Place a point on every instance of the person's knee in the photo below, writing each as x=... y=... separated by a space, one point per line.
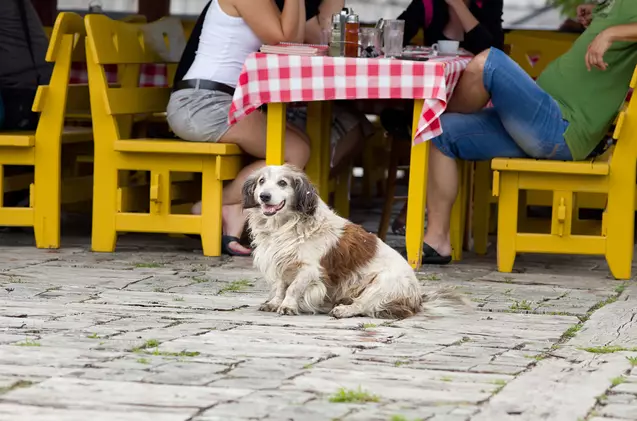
x=476 y=65
x=297 y=152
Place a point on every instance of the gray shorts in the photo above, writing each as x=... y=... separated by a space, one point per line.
x=199 y=115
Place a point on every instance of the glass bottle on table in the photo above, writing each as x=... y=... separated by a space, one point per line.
x=352 y=28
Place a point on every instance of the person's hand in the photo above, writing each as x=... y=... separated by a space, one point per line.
x=585 y=14
x=456 y=3
x=596 y=51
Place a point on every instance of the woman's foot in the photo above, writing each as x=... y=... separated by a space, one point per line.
x=233 y=224
x=437 y=247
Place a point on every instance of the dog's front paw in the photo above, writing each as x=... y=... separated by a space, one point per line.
x=342 y=311
x=288 y=309
x=270 y=306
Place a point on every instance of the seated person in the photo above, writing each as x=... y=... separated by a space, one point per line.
x=477 y=24
x=350 y=127
x=226 y=32
x=564 y=116
x=24 y=44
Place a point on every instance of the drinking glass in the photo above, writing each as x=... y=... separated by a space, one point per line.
x=369 y=42
x=393 y=33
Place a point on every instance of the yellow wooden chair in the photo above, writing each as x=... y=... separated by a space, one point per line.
x=113 y=42
x=612 y=175
x=42 y=148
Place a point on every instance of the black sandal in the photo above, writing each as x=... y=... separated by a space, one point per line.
x=432 y=257
x=225 y=244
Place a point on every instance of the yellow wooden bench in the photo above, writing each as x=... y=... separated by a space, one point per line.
x=612 y=175
x=42 y=148
x=113 y=42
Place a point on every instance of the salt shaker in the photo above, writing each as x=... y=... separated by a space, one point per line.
x=335 y=36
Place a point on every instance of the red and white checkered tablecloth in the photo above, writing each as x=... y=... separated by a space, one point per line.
x=150 y=75
x=267 y=78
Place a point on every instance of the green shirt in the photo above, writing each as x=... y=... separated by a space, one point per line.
x=590 y=100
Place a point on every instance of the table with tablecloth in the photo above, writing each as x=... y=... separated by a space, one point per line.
x=277 y=80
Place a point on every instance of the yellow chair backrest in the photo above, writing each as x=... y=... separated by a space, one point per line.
x=626 y=130
x=126 y=45
x=67 y=45
x=534 y=50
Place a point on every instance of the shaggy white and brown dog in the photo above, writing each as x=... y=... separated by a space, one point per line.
x=318 y=262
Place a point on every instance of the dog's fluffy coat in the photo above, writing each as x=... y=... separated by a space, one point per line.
x=318 y=262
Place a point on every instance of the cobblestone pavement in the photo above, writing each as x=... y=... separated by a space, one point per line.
x=157 y=332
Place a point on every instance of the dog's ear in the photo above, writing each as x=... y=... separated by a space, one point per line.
x=248 y=192
x=305 y=195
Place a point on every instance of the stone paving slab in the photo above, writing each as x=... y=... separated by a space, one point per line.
x=156 y=331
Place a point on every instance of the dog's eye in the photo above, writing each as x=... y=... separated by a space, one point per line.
x=261 y=181
x=282 y=183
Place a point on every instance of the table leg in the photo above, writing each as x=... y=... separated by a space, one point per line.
x=326 y=150
x=417 y=202
x=275 y=140
x=319 y=123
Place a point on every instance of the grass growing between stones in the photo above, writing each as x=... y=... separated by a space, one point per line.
x=521 y=305
x=93 y=336
x=236 y=286
x=154 y=343
x=608 y=349
x=402 y=418
x=28 y=342
x=571 y=332
x=20 y=384
x=151 y=265
x=632 y=361
x=618 y=380
x=353 y=396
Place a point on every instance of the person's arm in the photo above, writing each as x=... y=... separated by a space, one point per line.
x=300 y=35
x=321 y=19
x=627 y=32
x=264 y=19
x=414 y=17
x=481 y=35
x=603 y=41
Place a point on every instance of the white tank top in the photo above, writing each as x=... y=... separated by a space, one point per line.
x=225 y=43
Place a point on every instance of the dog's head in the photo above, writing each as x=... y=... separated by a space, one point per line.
x=280 y=190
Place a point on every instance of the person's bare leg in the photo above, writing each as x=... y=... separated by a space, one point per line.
x=442 y=189
x=250 y=135
x=470 y=96
x=346 y=149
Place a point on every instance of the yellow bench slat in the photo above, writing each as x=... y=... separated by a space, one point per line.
x=17 y=139
x=176 y=147
x=556 y=167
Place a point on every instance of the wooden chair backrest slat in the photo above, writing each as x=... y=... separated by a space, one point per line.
x=115 y=42
x=122 y=101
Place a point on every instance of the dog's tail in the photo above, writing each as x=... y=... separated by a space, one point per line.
x=443 y=301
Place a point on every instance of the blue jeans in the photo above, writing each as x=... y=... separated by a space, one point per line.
x=524 y=121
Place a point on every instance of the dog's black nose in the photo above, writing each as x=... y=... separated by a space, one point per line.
x=265 y=197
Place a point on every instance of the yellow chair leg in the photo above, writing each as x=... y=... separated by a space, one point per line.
x=105 y=208
x=481 y=207
x=507 y=220
x=326 y=150
x=211 y=198
x=341 y=194
x=275 y=143
x=314 y=130
x=458 y=213
x=47 y=192
x=417 y=194
x=619 y=225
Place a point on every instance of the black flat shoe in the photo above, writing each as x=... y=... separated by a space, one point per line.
x=432 y=257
